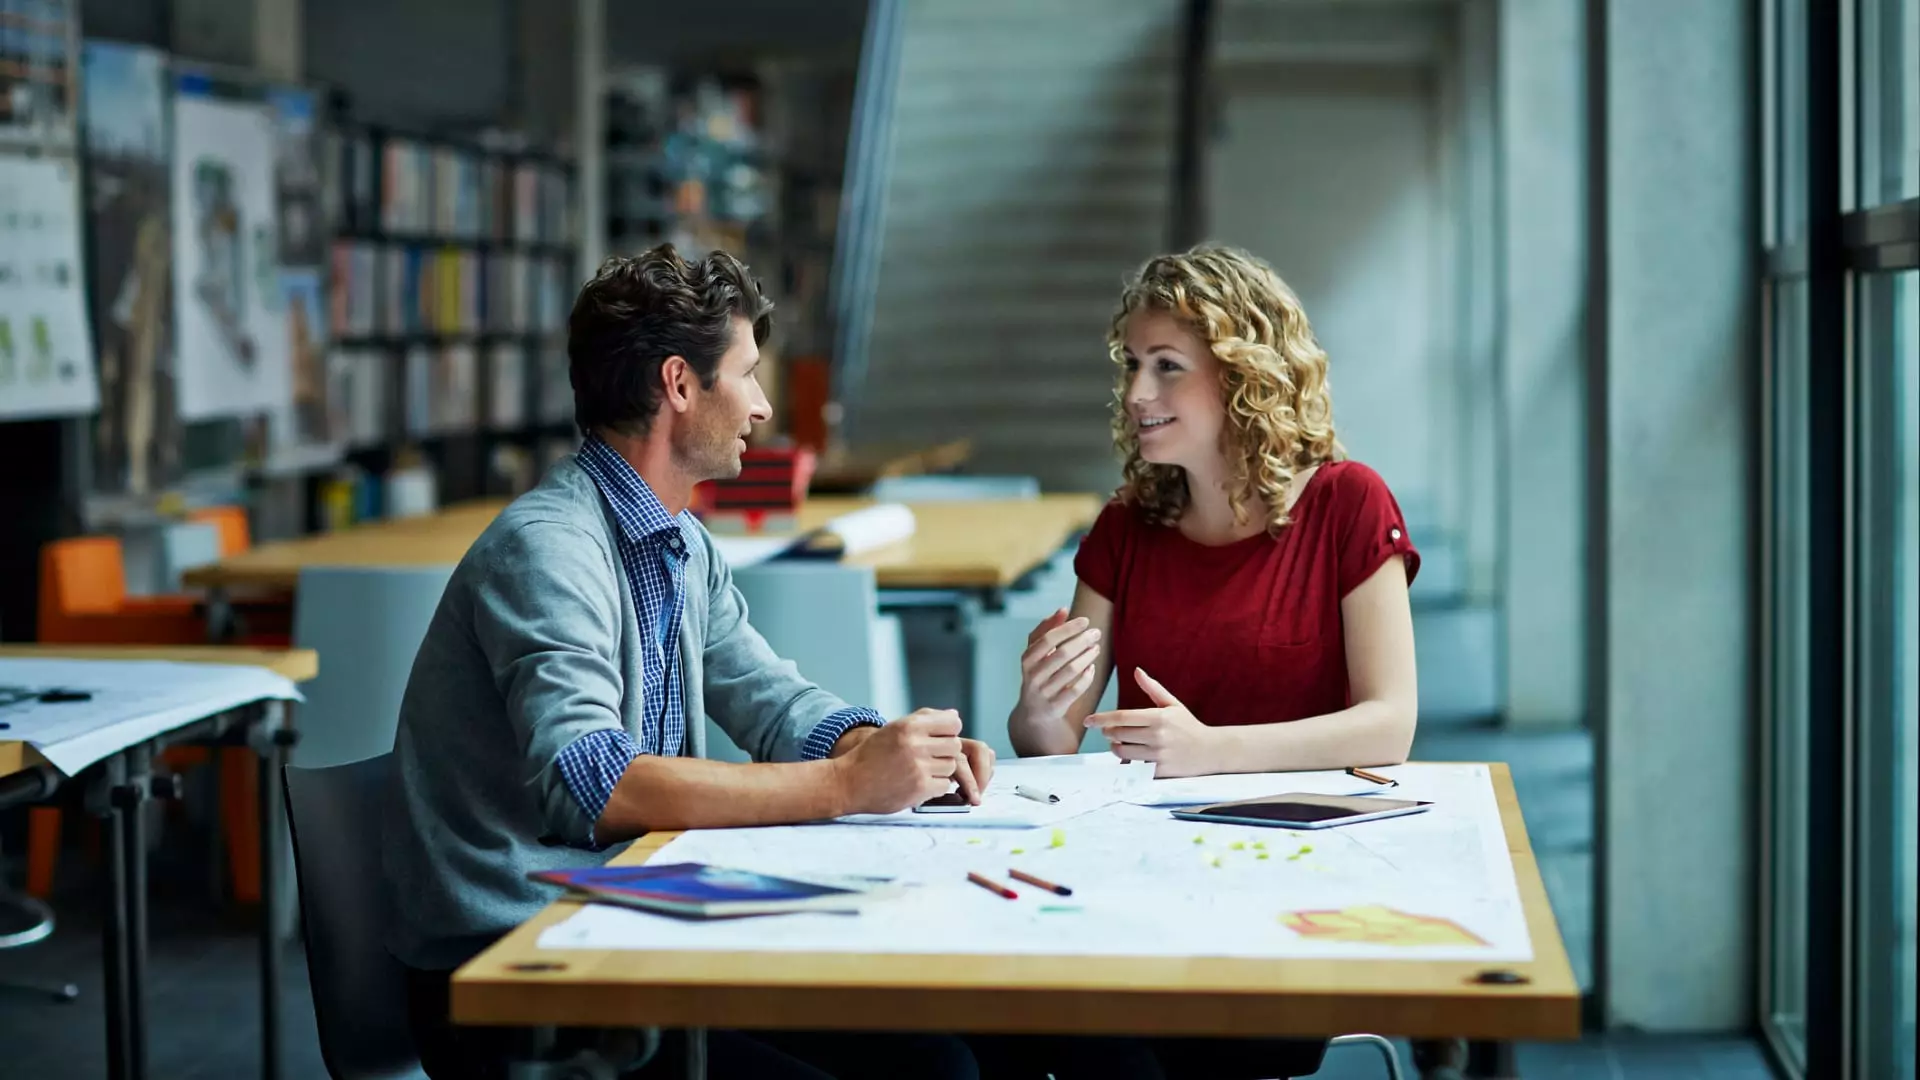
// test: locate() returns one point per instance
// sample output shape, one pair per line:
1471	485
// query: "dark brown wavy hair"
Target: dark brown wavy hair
639	310
1273	377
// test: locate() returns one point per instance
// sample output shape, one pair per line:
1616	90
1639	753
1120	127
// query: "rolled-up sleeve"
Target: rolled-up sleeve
820	741
592	766
547	621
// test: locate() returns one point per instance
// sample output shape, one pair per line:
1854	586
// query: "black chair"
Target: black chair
359	989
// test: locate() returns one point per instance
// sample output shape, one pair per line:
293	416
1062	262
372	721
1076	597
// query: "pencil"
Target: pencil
1373	776
1041	882
992	886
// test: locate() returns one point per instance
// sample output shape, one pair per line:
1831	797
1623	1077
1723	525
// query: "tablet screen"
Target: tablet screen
1305	808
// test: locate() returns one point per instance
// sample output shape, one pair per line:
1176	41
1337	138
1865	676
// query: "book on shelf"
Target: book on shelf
417	395
454	389
507	386
357	383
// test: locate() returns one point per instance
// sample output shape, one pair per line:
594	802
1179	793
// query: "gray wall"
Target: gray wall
1678	777
1331	173
1542	96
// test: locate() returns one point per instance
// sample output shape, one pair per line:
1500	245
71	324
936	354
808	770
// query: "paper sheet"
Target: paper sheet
744	551
1229	787
1432	886
1084	782
132	700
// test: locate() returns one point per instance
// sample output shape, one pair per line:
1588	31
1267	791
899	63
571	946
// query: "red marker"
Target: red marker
992	886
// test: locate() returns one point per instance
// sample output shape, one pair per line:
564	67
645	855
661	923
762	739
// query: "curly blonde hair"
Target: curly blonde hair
1273	377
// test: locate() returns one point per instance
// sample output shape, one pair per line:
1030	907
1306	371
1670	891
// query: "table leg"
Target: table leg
114	925
133	797
273	738
219	615
1492	1061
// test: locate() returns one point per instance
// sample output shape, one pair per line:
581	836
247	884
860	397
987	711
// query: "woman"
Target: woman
1248	583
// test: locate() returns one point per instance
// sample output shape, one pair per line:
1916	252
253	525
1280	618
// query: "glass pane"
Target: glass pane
1889	101
1787	668
1887	334
1792	143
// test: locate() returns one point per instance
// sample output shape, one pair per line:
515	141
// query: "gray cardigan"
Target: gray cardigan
533	645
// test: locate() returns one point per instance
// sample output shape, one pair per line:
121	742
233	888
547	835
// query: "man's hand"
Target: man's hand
976	769
1168	735
903	764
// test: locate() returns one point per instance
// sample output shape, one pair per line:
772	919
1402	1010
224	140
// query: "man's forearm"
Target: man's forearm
658	793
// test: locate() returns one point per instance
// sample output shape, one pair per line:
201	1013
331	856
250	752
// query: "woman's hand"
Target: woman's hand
1169	735
1058	667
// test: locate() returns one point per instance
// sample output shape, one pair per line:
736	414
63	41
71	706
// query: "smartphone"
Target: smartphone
953	802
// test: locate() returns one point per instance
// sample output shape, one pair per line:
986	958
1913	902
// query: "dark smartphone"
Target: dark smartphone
953	802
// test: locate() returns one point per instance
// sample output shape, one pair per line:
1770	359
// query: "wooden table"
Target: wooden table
515	983
296	664
984	544
125	780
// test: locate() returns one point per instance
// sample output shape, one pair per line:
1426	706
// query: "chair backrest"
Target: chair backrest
236	535
366	623
825	618
82	575
359	989
183	546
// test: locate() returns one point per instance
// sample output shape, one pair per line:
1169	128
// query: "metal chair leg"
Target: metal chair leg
61	994
1383	1044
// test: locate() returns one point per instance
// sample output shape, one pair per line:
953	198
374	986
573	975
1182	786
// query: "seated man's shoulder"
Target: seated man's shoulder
544	531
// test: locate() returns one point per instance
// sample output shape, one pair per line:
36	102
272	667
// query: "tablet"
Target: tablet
1302	811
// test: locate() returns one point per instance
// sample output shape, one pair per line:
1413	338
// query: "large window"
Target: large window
1887	454
1841	534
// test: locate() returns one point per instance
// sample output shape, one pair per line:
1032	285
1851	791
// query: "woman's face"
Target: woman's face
1173	396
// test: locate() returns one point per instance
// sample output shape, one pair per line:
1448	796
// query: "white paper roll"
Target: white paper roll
872	527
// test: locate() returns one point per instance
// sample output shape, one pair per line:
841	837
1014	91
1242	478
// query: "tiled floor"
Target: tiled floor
205	982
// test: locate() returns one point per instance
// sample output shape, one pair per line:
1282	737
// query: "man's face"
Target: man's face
710	443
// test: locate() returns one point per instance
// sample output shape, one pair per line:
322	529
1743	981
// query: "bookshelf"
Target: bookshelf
451	271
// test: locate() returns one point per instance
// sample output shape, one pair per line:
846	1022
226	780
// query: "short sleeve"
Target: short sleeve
1098	561
1371	527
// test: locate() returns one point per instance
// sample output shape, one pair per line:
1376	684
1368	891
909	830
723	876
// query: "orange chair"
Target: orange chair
230	522
84	601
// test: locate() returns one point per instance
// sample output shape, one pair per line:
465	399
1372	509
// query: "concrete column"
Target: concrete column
1677	777
1543	160
590	142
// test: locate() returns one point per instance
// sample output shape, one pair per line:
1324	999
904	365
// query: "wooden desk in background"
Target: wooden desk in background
299	665
125	779
956	545
516	983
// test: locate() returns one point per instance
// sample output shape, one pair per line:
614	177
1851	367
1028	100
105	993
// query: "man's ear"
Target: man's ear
677	381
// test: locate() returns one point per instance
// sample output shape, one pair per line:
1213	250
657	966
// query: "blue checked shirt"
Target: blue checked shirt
653	549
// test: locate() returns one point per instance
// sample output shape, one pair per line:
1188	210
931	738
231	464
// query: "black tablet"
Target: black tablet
1303	811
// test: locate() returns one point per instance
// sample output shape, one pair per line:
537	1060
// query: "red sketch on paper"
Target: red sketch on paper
1379	925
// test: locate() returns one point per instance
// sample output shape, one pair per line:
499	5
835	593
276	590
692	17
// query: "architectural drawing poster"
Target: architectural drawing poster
136	446
230	309
46	346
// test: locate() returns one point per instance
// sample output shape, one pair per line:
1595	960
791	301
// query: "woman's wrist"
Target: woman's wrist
1221	751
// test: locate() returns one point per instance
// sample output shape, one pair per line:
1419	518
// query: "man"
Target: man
557	706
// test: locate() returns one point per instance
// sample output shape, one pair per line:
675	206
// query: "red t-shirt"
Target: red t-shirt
1248	632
